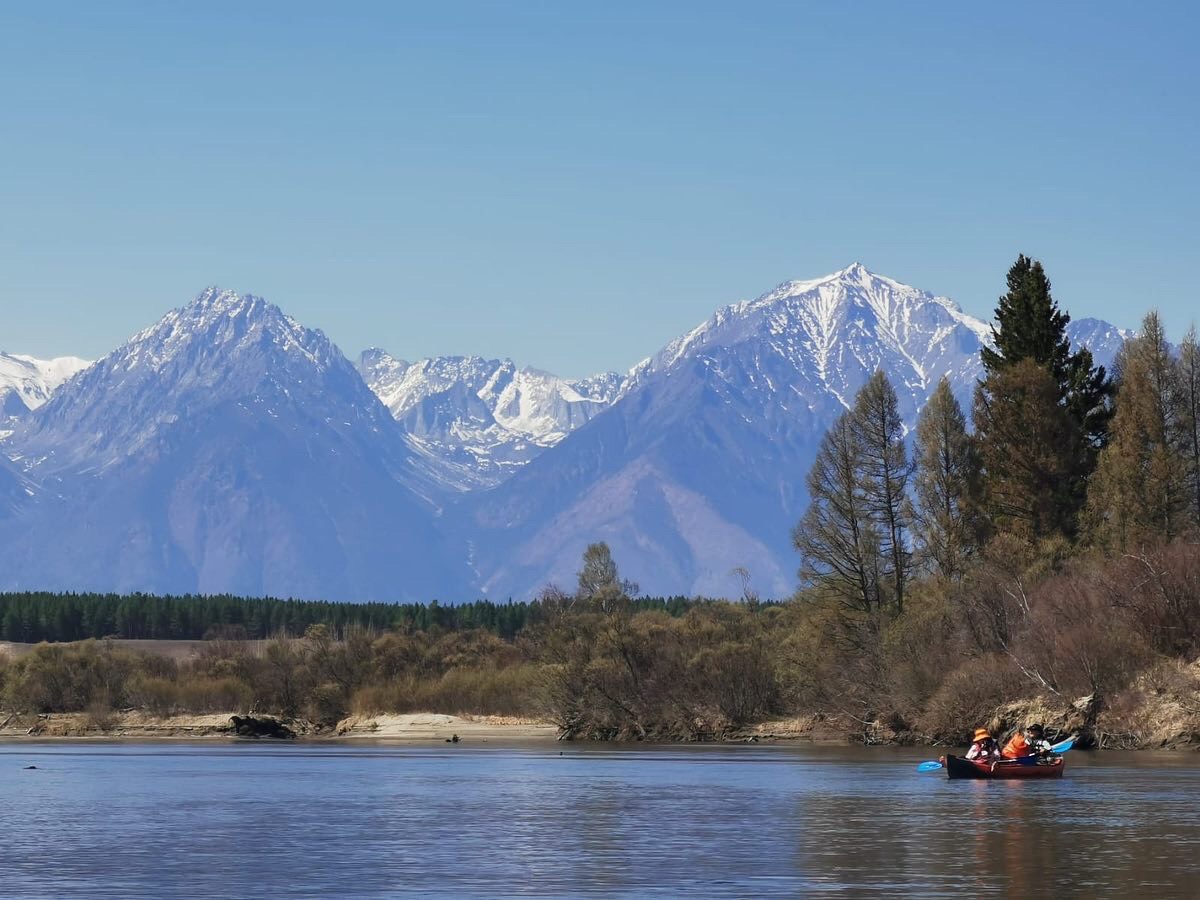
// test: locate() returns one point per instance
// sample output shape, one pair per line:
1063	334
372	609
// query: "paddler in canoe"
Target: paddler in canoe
1027	742
983	761
984	746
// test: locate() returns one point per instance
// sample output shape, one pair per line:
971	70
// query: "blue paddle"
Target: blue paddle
933	765
1063	746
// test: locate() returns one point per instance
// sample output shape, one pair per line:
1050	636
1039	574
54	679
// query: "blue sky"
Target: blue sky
574	185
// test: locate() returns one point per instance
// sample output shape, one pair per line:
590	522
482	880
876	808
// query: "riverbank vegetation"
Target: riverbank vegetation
1051	551
1039	557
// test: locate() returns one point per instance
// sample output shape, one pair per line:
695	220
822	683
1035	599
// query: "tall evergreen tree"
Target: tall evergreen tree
884	473
1188	438
1139	490
1030	327
1021	429
1029	324
949	526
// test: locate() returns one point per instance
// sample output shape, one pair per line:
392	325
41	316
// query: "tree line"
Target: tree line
598	661
29	617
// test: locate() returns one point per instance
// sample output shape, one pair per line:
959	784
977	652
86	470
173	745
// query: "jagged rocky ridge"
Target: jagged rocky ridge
229	448
474	421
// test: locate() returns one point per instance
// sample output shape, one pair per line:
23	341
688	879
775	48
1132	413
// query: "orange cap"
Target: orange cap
982	734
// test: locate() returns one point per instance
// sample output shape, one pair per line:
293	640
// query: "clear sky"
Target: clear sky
574	184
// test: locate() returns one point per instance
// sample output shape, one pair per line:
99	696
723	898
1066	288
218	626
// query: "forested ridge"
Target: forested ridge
1037	555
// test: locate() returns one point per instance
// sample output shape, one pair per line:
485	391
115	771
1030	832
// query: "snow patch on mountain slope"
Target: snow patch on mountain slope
29	382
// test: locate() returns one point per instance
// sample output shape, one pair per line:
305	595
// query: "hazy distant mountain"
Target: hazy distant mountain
475	421
227	448
26	383
700	465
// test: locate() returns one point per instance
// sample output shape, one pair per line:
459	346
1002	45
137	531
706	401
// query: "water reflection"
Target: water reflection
234	821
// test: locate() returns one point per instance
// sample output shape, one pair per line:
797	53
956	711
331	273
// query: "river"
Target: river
320	820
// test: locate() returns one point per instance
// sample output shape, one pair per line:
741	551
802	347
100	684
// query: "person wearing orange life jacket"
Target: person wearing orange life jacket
985	747
1027	743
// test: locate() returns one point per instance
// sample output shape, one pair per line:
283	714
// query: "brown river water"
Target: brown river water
541	819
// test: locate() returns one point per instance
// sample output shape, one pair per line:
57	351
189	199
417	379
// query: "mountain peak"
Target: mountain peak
855	270
220	349
219	320
854	278
849	312
215	302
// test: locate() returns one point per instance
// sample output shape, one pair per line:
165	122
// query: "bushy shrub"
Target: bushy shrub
214	695
969	696
69	677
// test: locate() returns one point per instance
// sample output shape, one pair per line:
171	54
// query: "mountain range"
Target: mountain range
228	448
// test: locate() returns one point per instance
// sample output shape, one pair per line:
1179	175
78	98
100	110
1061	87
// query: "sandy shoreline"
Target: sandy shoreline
417	728
408	728
439	727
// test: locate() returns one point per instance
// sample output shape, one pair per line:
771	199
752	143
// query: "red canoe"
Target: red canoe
958	767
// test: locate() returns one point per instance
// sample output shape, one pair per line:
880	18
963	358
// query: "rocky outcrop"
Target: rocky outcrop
260	727
1061	718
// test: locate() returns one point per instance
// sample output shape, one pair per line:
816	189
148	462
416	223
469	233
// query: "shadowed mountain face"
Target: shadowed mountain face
12	491
700	466
226	448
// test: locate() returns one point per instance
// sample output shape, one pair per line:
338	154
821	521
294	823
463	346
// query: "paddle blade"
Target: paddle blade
929	766
1063	746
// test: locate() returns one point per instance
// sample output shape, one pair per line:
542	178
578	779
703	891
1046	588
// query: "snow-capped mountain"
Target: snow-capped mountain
700	466
229	448
226	448
474	421
832	333
26	383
